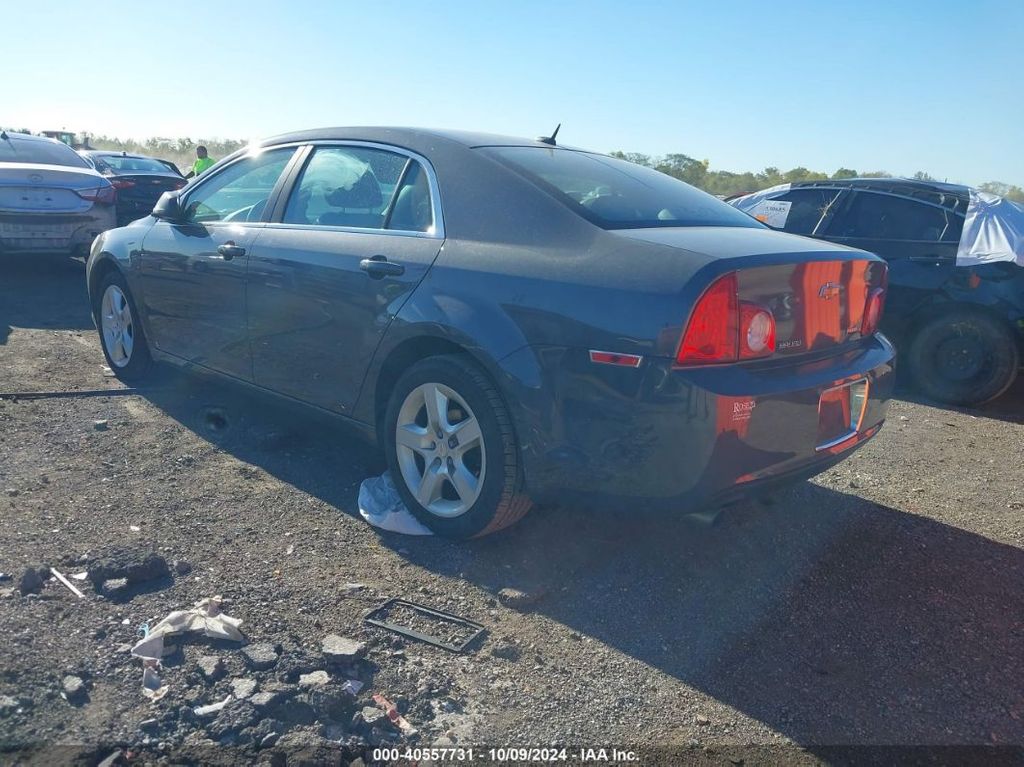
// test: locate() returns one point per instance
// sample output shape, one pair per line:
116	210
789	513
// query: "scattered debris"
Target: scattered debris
205	617
703	720
116	756
11	491
133	564
506	651
243	688
314	679
66	582
265	699
8	704
182	567
352	687
80	576
517	599
32	580
73	688
101	425
153	686
342	649
114	588
396	718
5	577
261	656
459	632
382	506
213	708
211	667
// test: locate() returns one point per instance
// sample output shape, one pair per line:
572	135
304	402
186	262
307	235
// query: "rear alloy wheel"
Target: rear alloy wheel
452	450
121	336
963	358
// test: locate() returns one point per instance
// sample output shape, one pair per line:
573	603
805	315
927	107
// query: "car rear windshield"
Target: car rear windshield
615	194
40	152
126	164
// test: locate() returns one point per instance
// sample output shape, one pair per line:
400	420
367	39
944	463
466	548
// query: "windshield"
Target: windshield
16	149
615	194
128	164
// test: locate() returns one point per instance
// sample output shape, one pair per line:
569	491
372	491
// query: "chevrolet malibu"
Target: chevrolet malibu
513	321
50	198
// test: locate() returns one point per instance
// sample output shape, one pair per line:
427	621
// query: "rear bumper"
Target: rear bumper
53	232
689	439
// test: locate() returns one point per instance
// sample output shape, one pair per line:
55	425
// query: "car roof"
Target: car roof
30	137
399	135
907	186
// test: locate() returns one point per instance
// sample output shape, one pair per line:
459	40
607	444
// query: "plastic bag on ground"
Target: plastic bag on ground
382	506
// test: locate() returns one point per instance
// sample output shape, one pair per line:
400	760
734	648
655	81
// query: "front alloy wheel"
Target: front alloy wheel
117	326
121	335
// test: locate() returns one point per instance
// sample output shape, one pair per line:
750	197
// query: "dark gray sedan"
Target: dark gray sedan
513	321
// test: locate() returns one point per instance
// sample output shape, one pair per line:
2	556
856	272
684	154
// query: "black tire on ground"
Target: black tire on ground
963	358
140	363
501	500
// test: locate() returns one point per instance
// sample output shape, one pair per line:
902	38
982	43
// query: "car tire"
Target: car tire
121	335
963	358
456	489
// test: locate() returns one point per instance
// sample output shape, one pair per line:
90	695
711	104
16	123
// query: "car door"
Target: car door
345	248
917	238
192	272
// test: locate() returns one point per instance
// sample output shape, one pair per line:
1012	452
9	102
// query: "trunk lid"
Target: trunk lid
816	291
31	188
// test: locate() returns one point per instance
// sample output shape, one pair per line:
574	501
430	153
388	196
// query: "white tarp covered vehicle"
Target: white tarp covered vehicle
955	303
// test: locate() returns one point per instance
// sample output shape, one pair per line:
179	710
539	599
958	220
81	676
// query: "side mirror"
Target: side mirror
168	208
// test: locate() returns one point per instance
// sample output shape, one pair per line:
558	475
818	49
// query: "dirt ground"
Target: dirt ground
881	604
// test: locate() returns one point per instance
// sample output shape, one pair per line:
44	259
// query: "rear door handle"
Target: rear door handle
229	250
379	266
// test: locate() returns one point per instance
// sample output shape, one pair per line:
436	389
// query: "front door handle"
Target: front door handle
229	250
378	267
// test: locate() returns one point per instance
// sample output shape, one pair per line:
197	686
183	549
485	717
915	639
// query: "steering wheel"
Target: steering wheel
248	213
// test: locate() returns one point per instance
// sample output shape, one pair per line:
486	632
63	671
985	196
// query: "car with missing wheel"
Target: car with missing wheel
956	271
51	200
511	320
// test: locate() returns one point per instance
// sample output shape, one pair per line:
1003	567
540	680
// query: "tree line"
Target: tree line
181	151
725	183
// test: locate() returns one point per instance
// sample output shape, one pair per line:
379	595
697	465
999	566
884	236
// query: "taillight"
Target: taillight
873	312
103	194
713	331
724	329
122	183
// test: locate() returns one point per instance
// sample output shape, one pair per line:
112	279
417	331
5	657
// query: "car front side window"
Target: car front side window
240	191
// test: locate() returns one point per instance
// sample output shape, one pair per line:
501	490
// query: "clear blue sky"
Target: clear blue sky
900	85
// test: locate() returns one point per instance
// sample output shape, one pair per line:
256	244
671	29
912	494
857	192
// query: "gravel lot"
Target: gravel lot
881	604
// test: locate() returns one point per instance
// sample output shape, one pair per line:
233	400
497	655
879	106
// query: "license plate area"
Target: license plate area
840	412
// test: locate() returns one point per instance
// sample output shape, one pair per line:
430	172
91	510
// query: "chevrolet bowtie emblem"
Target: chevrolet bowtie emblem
828	290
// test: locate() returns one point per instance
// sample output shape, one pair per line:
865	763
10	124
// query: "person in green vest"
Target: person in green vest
203	161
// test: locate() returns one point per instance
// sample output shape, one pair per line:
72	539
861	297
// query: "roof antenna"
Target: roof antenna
549	140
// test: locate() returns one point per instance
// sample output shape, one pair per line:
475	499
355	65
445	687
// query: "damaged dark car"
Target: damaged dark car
512	321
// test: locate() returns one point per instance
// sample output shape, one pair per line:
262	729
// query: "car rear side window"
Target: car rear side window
39	151
240	191
363	188
126	164
807	208
615	194
885	217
